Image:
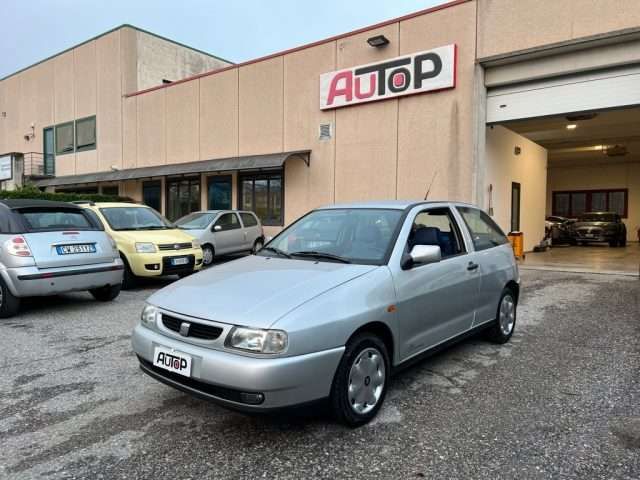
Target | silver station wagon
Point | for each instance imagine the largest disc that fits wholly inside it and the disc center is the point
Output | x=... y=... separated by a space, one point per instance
x=48 y=248
x=332 y=306
x=222 y=232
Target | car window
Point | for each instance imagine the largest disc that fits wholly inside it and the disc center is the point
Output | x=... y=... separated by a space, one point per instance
x=228 y=221
x=248 y=220
x=436 y=227
x=484 y=231
x=195 y=221
x=134 y=218
x=356 y=235
x=56 y=219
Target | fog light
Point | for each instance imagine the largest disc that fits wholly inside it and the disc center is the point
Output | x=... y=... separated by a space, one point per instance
x=152 y=266
x=251 y=398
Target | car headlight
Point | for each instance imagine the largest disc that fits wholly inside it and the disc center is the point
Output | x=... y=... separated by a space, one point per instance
x=195 y=244
x=258 y=341
x=145 y=247
x=148 y=316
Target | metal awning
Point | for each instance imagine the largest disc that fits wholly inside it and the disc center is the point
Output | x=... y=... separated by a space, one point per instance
x=249 y=162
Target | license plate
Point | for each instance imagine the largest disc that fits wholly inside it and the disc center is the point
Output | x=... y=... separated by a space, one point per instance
x=179 y=261
x=77 y=248
x=172 y=361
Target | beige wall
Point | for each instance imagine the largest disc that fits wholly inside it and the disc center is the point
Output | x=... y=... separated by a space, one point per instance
x=510 y=25
x=529 y=169
x=597 y=176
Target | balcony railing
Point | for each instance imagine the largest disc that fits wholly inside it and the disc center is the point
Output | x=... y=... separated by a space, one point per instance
x=39 y=165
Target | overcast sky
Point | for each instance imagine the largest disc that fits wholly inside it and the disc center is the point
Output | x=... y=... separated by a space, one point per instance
x=236 y=30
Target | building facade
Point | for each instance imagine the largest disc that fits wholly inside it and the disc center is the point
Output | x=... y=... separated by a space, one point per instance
x=470 y=101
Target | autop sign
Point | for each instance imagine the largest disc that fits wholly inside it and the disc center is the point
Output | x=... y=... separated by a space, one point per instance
x=419 y=72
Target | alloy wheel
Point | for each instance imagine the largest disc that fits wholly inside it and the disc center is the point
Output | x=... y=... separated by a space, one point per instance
x=207 y=255
x=507 y=315
x=366 y=380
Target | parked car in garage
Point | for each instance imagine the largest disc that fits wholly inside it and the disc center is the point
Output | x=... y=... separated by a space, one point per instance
x=149 y=244
x=222 y=232
x=600 y=227
x=304 y=320
x=559 y=230
x=48 y=248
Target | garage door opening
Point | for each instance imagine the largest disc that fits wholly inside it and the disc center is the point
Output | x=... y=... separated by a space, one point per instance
x=555 y=170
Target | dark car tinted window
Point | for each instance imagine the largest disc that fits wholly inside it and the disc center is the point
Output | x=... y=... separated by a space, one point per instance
x=57 y=219
x=248 y=220
x=484 y=231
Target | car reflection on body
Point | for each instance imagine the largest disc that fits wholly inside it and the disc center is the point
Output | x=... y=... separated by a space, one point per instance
x=331 y=306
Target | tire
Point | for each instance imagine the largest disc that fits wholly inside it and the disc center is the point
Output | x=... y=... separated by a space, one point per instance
x=106 y=293
x=257 y=245
x=368 y=350
x=9 y=303
x=129 y=280
x=505 y=323
x=208 y=254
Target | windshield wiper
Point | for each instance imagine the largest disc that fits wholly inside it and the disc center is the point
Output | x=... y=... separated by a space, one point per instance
x=314 y=254
x=276 y=250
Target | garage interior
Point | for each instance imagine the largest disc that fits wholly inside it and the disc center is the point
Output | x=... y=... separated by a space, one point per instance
x=593 y=164
x=563 y=146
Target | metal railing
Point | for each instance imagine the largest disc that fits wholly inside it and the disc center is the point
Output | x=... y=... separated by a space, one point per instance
x=38 y=165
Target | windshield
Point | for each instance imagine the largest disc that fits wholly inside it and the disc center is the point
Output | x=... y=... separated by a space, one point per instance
x=597 y=217
x=134 y=218
x=196 y=221
x=355 y=235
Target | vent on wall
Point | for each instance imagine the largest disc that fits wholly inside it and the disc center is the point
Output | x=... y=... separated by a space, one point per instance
x=325 y=132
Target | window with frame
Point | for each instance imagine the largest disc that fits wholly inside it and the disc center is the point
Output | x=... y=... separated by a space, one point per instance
x=263 y=194
x=86 y=133
x=485 y=233
x=574 y=203
x=228 y=221
x=64 y=134
x=437 y=227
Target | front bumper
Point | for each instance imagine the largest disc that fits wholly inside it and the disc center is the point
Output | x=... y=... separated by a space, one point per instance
x=33 y=281
x=155 y=264
x=222 y=376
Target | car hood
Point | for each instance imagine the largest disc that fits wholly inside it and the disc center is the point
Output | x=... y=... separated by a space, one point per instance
x=154 y=236
x=254 y=291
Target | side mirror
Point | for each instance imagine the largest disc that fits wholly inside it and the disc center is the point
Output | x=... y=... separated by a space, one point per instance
x=217 y=228
x=422 y=255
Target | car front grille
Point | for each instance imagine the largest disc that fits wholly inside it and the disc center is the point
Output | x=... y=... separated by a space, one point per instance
x=589 y=231
x=196 y=330
x=174 y=246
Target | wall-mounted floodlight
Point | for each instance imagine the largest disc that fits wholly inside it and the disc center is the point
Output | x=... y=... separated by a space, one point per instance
x=378 y=41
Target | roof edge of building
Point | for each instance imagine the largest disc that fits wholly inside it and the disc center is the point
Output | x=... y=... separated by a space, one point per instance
x=100 y=35
x=304 y=46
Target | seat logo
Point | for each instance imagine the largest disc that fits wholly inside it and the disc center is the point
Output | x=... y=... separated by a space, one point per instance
x=184 y=329
x=419 y=72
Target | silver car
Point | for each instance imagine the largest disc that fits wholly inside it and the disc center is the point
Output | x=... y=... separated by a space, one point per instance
x=332 y=306
x=222 y=232
x=48 y=248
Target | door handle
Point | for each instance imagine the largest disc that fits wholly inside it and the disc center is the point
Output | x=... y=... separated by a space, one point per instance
x=472 y=266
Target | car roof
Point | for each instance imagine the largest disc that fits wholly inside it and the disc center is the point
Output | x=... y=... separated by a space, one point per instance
x=394 y=204
x=16 y=203
x=223 y=211
x=115 y=204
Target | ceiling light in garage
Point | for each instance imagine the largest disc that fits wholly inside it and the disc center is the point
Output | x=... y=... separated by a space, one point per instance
x=572 y=126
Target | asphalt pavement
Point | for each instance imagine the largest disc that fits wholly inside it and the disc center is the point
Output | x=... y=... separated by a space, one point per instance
x=561 y=400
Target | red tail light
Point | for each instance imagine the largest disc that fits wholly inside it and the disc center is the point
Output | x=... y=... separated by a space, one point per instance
x=18 y=247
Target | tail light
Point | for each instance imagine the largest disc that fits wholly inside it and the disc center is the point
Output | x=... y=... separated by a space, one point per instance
x=18 y=247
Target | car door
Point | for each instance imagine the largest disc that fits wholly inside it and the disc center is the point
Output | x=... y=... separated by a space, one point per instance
x=494 y=255
x=251 y=229
x=436 y=301
x=228 y=233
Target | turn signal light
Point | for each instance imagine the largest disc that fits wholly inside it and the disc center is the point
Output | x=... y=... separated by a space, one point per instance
x=18 y=247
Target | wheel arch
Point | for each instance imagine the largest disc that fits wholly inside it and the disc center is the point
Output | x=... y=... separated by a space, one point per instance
x=514 y=287
x=380 y=330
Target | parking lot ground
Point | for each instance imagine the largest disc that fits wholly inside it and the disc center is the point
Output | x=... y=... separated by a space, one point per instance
x=595 y=258
x=561 y=400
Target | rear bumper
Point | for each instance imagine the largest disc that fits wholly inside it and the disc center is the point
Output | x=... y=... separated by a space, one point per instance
x=35 y=282
x=222 y=376
x=154 y=264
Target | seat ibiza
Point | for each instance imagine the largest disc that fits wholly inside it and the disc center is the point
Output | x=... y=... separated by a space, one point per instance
x=332 y=306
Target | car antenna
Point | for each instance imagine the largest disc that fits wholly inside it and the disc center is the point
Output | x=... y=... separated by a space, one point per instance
x=431 y=184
